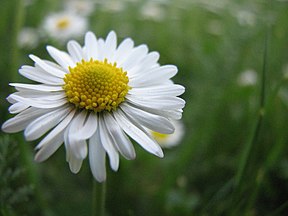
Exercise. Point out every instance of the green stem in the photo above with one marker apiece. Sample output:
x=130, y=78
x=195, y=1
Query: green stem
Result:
x=246, y=156
x=98, y=198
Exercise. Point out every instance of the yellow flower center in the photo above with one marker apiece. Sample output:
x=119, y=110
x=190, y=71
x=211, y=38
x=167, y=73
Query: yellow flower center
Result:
x=96, y=85
x=63, y=23
x=159, y=137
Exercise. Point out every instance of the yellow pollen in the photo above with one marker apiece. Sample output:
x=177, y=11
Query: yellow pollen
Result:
x=159, y=137
x=63, y=23
x=96, y=85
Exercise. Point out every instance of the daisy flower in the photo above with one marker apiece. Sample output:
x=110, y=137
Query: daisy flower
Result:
x=28, y=38
x=64, y=25
x=247, y=78
x=95, y=97
x=113, y=5
x=152, y=10
x=84, y=7
x=170, y=140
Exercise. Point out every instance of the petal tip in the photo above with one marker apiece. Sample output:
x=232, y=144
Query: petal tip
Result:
x=100, y=179
x=159, y=153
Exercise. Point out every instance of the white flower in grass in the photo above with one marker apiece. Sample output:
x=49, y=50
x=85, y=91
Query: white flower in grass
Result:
x=28, y=38
x=153, y=10
x=96, y=96
x=246, y=17
x=113, y=5
x=84, y=7
x=170, y=140
x=247, y=78
x=64, y=25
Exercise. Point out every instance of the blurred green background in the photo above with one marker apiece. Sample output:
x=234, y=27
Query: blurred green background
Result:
x=232, y=159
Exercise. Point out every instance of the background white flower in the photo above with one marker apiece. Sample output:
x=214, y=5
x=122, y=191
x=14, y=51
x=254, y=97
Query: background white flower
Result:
x=28, y=38
x=245, y=17
x=83, y=7
x=113, y=5
x=98, y=93
x=152, y=10
x=170, y=140
x=247, y=78
x=64, y=25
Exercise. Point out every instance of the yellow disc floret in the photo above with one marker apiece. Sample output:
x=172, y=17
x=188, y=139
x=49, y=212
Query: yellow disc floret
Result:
x=96, y=85
x=63, y=23
x=159, y=137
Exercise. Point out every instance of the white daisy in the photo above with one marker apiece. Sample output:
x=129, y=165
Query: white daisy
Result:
x=247, y=78
x=64, y=25
x=84, y=7
x=152, y=10
x=28, y=38
x=170, y=140
x=245, y=17
x=96, y=95
x=113, y=5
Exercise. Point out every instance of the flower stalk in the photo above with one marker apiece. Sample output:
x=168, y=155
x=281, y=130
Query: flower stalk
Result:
x=261, y=112
x=98, y=198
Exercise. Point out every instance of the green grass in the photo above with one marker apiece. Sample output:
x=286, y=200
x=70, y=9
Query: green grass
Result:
x=233, y=157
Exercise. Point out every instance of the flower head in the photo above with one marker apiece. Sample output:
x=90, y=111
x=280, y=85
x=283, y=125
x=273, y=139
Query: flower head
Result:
x=28, y=38
x=95, y=97
x=170, y=140
x=83, y=7
x=63, y=25
x=247, y=78
x=152, y=10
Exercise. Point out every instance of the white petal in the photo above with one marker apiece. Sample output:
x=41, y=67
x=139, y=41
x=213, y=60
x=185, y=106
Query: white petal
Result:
x=97, y=157
x=20, y=121
x=171, y=114
x=62, y=126
x=160, y=90
x=101, y=49
x=47, y=150
x=91, y=46
x=121, y=141
x=39, y=75
x=108, y=144
x=49, y=68
x=151, y=58
x=39, y=95
x=75, y=164
x=66, y=142
x=17, y=107
x=139, y=134
x=40, y=103
x=75, y=50
x=153, y=122
x=164, y=102
x=89, y=127
x=110, y=45
x=62, y=58
x=77, y=144
x=168, y=113
x=148, y=62
x=123, y=50
x=137, y=54
x=81, y=145
x=11, y=100
x=153, y=76
x=44, y=123
x=40, y=87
